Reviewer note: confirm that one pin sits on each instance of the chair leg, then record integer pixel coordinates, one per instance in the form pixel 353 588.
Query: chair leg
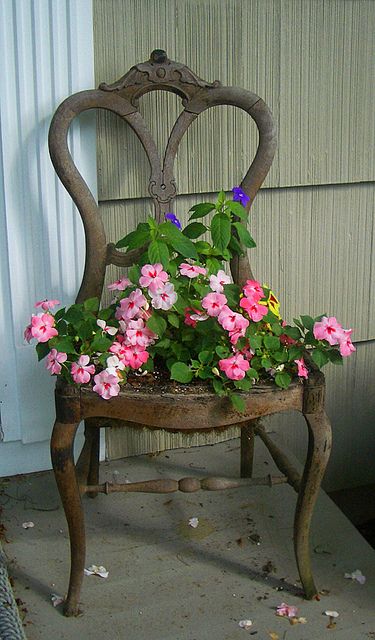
pixel 247 448
pixel 63 465
pixel 319 447
pixel 87 467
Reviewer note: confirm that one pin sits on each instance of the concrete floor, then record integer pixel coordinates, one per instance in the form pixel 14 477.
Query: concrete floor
pixel 169 581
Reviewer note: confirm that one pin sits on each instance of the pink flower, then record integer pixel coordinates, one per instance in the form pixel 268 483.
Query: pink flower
pixel 234 367
pixel 239 329
pixel 54 360
pixel 217 282
pixel 135 356
pixel 253 290
pixel 82 371
pixel 28 334
pixel 254 310
pixel 229 319
pixel 302 369
pixel 164 297
pixel 188 319
pixel 105 328
pixel 47 304
pixel 114 366
pixel 118 348
pixel 138 334
pixel 213 303
pixel 346 345
pixel 191 270
pixel 328 329
pixel 286 610
pixel 42 327
pixel 129 307
pixel 153 276
pixel 119 285
pixel 106 385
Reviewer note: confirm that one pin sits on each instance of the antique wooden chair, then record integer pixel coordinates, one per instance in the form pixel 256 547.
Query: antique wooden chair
pixel 175 411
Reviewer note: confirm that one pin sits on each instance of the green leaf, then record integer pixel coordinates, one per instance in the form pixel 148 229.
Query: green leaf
pixel 280 356
pixel 308 322
pixel 220 199
pixel 165 343
pixel 235 246
pixel 245 384
pixel 266 363
pixel 178 240
pixel 158 252
pixel 292 332
pixel 85 329
pixel 298 323
pixel 232 294
pixel 201 210
pixel 238 402
pixel 294 353
pixel 272 343
pixel 174 320
pixel 157 324
pixel 252 373
pixel 203 247
pixel 218 386
pixel 74 315
pixel 256 342
pixel 194 230
pixel 222 352
pixel 237 209
pixel 134 273
pixel 136 238
pixel 205 357
pixel 320 358
pixel 101 343
pixel 91 304
pixel 59 314
pixel 283 379
pixel 213 265
pixel 335 356
pixel 65 344
pixel 244 235
pixel 181 372
pixel 42 349
pixel 277 329
pixel 220 231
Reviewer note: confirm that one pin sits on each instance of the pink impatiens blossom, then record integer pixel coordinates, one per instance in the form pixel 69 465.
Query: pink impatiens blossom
pixel 217 282
pixel 253 290
pixel 47 304
pixel 213 303
pixel 42 327
pixel 106 385
pixel 229 319
pixel 118 348
pixel 28 334
pixel 234 367
pixel 105 328
pixel 153 276
pixel 192 316
pixel 254 310
pixel 302 369
pixel 164 298
pixel 129 307
pixel 119 285
pixel 115 365
pixel 239 329
pixel 137 333
pixel 345 342
pixel 191 270
pixel 328 329
pixel 54 361
pixel 135 356
pixel 82 371
pixel 286 610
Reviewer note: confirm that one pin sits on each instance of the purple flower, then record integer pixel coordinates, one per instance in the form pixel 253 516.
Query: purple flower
pixel 172 218
pixel 240 196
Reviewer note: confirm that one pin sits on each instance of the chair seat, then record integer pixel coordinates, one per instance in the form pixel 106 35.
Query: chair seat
pixel 176 406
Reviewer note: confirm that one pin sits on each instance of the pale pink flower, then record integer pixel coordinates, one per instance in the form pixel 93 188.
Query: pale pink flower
pixel 137 333
pixel 229 319
pixel 345 342
pixel 234 367
pixel 217 282
pixel 129 307
pixel 47 304
pixel 54 360
pixel 254 310
pixel 328 329
pixel 286 610
pixel 135 356
pixel 213 303
pixel 82 371
pixel 302 369
pixel 153 276
pixel 42 327
pixel 115 365
pixel 119 285
pixel 191 270
pixel 28 334
pixel 191 319
pixel 105 328
pixel 239 329
pixel 253 290
pixel 164 298
pixel 106 385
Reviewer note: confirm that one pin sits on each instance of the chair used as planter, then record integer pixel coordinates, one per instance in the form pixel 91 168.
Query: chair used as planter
pixel 185 412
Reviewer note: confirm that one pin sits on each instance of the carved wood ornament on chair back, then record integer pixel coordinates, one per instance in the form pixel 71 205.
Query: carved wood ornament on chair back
pixel 122 98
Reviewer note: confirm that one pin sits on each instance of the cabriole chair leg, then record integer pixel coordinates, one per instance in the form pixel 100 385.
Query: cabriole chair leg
pixel 63 465
pixel 319 447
